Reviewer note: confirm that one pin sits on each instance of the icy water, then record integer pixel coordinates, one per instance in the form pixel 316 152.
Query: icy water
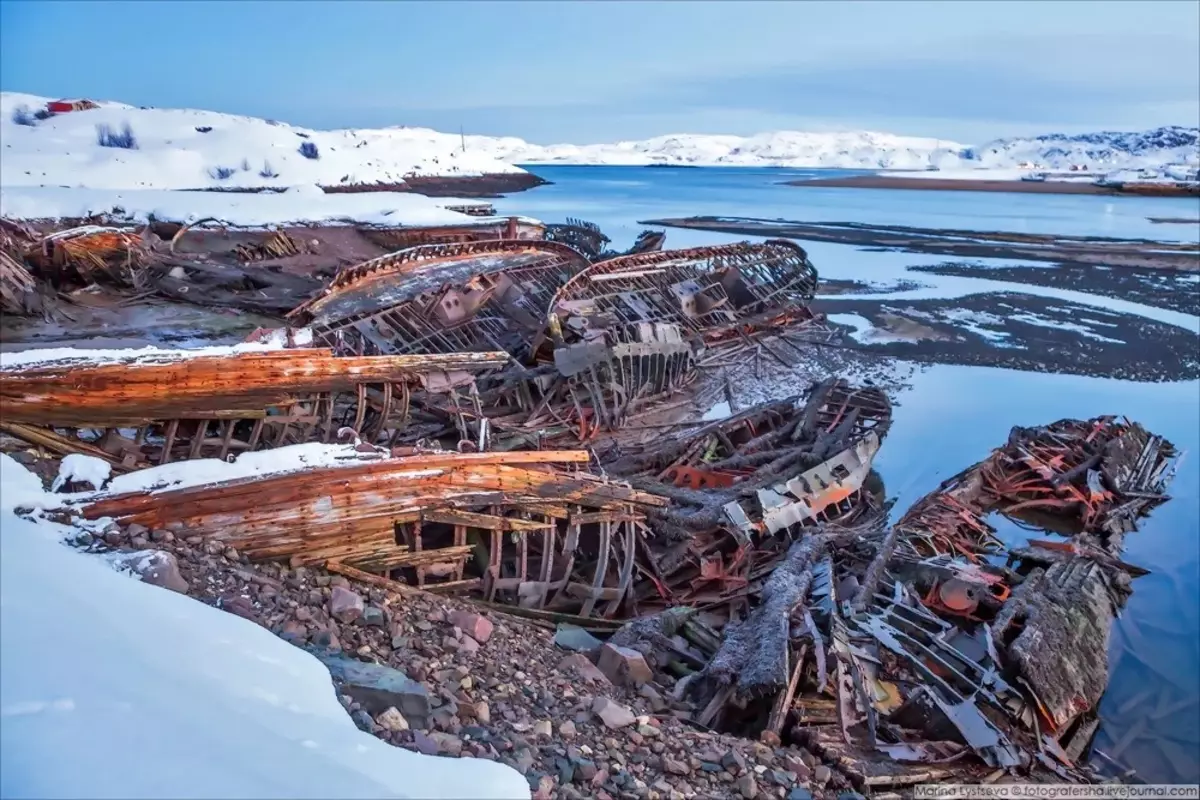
pixel 953 416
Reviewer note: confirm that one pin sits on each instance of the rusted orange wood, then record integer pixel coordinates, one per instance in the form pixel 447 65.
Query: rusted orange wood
pixel 240 385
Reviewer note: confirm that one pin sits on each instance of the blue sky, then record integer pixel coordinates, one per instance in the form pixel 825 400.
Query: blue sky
pixel 602 71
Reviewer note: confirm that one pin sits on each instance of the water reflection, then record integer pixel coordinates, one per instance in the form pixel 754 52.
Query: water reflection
pixel 954 416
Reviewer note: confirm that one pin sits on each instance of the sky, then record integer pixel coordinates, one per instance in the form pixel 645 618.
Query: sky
pixel 585 72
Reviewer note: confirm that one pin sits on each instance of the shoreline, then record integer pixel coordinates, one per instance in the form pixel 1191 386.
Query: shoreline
pixel 984 185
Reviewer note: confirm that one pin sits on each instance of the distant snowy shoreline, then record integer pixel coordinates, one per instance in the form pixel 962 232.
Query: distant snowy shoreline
pixel 117 147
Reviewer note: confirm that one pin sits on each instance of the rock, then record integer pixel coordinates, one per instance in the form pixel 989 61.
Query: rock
pixel 542 728
pixel 378 687
pixel 447 743
pixel 799 793
pixel 392 720
pixel 821 776
pixel 795 765
pixel 293 631
pixel 162 535
pixel 524 760
pixel 586 670
pixel 769 738
pixel 363 720
pixel 155 567
pixel 545 788
pixel 344 605
pixel 782 778
pixel 467 645
pixel 675 767
pixel 657 702
pixel 425 744
pixel 624 666
pixel 850 796
pixel 571 637
pixel 585 770
pixel 476 626
pixel 373 617
pixel 113 538
pixel 567 730
pixel 747 786
pixel 733 761
pixel 326 640
pixel 613 714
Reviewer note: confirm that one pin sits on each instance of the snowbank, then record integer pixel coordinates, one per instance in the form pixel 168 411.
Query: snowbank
pixel 256 464
pixel 115 688
pixel 190 149
pixel 70 356
pixel 390 209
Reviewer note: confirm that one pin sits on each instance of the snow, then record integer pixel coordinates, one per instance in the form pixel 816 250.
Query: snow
pixel 392 209
pixel 256 464
pixel 1000 159
pixel 864 332
pixel 82 468
pixel 172 154
pixel 70 356
pixel 849 150
pixel 172 697
pixel 62 151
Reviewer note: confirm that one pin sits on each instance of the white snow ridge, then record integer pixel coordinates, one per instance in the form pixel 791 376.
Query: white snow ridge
pixel 110 687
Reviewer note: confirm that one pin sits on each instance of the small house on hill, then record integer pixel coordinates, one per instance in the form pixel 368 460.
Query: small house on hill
pixel 64 106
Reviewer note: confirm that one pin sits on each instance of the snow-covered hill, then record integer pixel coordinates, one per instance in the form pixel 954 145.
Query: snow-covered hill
pixel 1109 150
pixel 847 150
pixel 189 149
pixel 867 150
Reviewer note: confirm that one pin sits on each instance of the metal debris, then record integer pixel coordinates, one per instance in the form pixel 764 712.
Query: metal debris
pixel 939 654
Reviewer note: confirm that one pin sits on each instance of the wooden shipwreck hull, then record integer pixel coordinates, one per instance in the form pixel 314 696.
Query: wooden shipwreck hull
pixel 895 651
pixel 520 528
pixel 744 487
pixel 138 412
pixel 442 298
pixel 596 345
pixel 712 293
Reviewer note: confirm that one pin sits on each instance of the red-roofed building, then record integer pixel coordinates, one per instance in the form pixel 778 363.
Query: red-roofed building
pixel 63 106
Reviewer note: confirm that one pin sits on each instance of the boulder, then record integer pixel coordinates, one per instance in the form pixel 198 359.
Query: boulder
pixel 377 688
pixel 154 567
pixel 624 666
pixel 578 664
pixel 476 626
pixel 345 605
pixel 612 713
pixel 572 637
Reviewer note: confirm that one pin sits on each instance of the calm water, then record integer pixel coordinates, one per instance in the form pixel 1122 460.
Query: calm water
pixel 953 416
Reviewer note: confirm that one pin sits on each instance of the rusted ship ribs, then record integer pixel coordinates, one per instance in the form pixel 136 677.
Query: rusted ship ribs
pixel 584 368
pixel 135 413
pixel 442 298
pixel 521 528
pixel 505 228
pixel 892 652
pixel 587 238
pixel 18 288
pixel 743 487
pixel 712 294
